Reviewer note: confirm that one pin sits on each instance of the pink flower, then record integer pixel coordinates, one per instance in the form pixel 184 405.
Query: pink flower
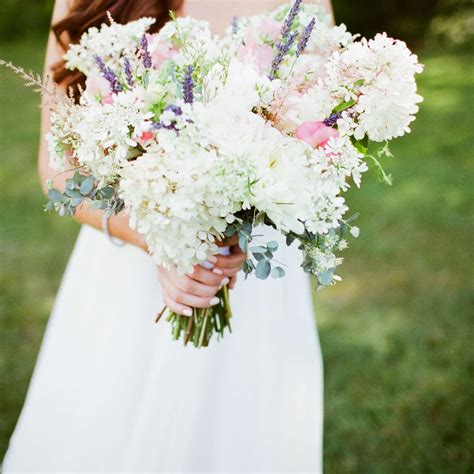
pixel 270 28
pixel 144 138
pixel 262 53
pixel 315 134
pixel 99 87
pixel 161 53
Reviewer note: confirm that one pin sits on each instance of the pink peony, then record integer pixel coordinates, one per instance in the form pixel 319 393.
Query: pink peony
pixel 315 134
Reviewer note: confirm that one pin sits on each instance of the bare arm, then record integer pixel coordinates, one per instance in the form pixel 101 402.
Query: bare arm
pixel 118 224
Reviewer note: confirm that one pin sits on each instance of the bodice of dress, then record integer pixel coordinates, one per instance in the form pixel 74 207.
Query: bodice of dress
pixel 220 12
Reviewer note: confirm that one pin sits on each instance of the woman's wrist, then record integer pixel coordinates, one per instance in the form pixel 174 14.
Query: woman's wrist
pixel 119 227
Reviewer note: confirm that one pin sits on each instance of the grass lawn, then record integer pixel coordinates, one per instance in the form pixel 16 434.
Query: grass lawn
pixel 396 333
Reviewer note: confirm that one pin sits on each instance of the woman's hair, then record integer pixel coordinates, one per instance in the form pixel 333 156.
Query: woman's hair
pixel 87 13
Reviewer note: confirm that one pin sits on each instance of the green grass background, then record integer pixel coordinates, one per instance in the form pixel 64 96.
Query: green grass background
pixel 396 333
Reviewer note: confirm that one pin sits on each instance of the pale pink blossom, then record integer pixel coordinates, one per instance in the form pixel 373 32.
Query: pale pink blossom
pixel 270 28
pixel 315 134
pixel 262 53
pixel 99 88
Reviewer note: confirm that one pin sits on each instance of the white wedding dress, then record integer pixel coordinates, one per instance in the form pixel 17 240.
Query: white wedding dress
pixel 111 391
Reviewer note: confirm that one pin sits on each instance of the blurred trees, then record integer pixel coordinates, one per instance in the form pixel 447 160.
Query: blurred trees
pixel 448 20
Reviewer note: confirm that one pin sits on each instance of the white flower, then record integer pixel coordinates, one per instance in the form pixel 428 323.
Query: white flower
pixel 355 231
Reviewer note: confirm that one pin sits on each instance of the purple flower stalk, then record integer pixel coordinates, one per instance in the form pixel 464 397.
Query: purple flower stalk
pixel 108 74
pixel 146 58
pixel 188 86
pixel 175 109
pixel 128 72
pixel 305 37
pixel 235 25
pixel 332 119
pixel 283 49
pixel 290 19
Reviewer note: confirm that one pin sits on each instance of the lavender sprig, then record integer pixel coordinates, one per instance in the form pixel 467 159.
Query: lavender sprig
pixel 283 49
pixel 305 37
pixel 108 74
pixel 146 58
pixel 176 109
pixel 128 73
pixel 188 86
pixel 332 119
pixel 235 25
pixel 290 19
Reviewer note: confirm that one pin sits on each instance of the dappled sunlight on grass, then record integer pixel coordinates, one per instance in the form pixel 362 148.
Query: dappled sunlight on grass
pixel 396 332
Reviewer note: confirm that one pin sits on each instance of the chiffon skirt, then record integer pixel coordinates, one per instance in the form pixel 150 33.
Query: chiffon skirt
pixel 111 391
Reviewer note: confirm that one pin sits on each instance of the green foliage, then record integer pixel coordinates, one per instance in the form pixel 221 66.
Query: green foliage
pixel 20 18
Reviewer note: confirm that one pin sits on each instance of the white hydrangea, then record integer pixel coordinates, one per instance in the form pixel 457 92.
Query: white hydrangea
pixel 106 133
pixel 337 161
pixel 386 96
pixel 110 42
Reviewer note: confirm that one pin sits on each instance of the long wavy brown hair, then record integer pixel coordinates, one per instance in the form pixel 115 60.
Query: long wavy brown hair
pixel 87 13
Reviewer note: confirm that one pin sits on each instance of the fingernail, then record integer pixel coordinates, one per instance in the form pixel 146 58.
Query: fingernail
pixel 217 271
pixel 211 258
pixel 214 301
pixel 187 312
pixel 225 281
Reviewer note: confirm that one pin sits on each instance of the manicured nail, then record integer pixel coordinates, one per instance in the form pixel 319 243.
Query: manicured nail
pixel 225 281
pixel 211 258
pixel 214 301
pixel 187 312
pixel 217 271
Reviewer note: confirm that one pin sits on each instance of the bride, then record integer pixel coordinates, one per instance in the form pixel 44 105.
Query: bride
pixel 112 392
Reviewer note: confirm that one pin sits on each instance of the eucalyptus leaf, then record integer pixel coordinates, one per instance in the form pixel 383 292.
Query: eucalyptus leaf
pixel 258 249
pixel 86 186
pixel 263 269
pixel 54 195
pixel 272 246
pixel 325 278
pixel 278 272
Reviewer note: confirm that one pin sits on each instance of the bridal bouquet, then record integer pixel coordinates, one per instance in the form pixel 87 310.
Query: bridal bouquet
pixel 200 138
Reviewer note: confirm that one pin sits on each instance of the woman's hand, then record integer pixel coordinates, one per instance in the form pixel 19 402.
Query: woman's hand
pixel 198 289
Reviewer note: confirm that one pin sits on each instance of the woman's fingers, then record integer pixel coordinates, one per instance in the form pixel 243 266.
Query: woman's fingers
pixel 234 240
pixel 232 282
pixel 208 277
pixel 187 299
pixel 174 306
pixel 232 261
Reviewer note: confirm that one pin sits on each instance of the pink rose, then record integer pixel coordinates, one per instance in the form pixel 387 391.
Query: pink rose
pixel 315 134
pixel 99 87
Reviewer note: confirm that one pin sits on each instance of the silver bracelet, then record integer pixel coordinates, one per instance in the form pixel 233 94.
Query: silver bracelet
pixel 105 227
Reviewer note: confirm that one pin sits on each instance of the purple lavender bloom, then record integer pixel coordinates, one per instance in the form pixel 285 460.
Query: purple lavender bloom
pixel 108 74
pixel 188 86
pixel 332 119
pixel 146 58
pixel 175 109
pixel 128 72
pixel 305 37
pixel 283 49
pixel 235 25
pixel 290 19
